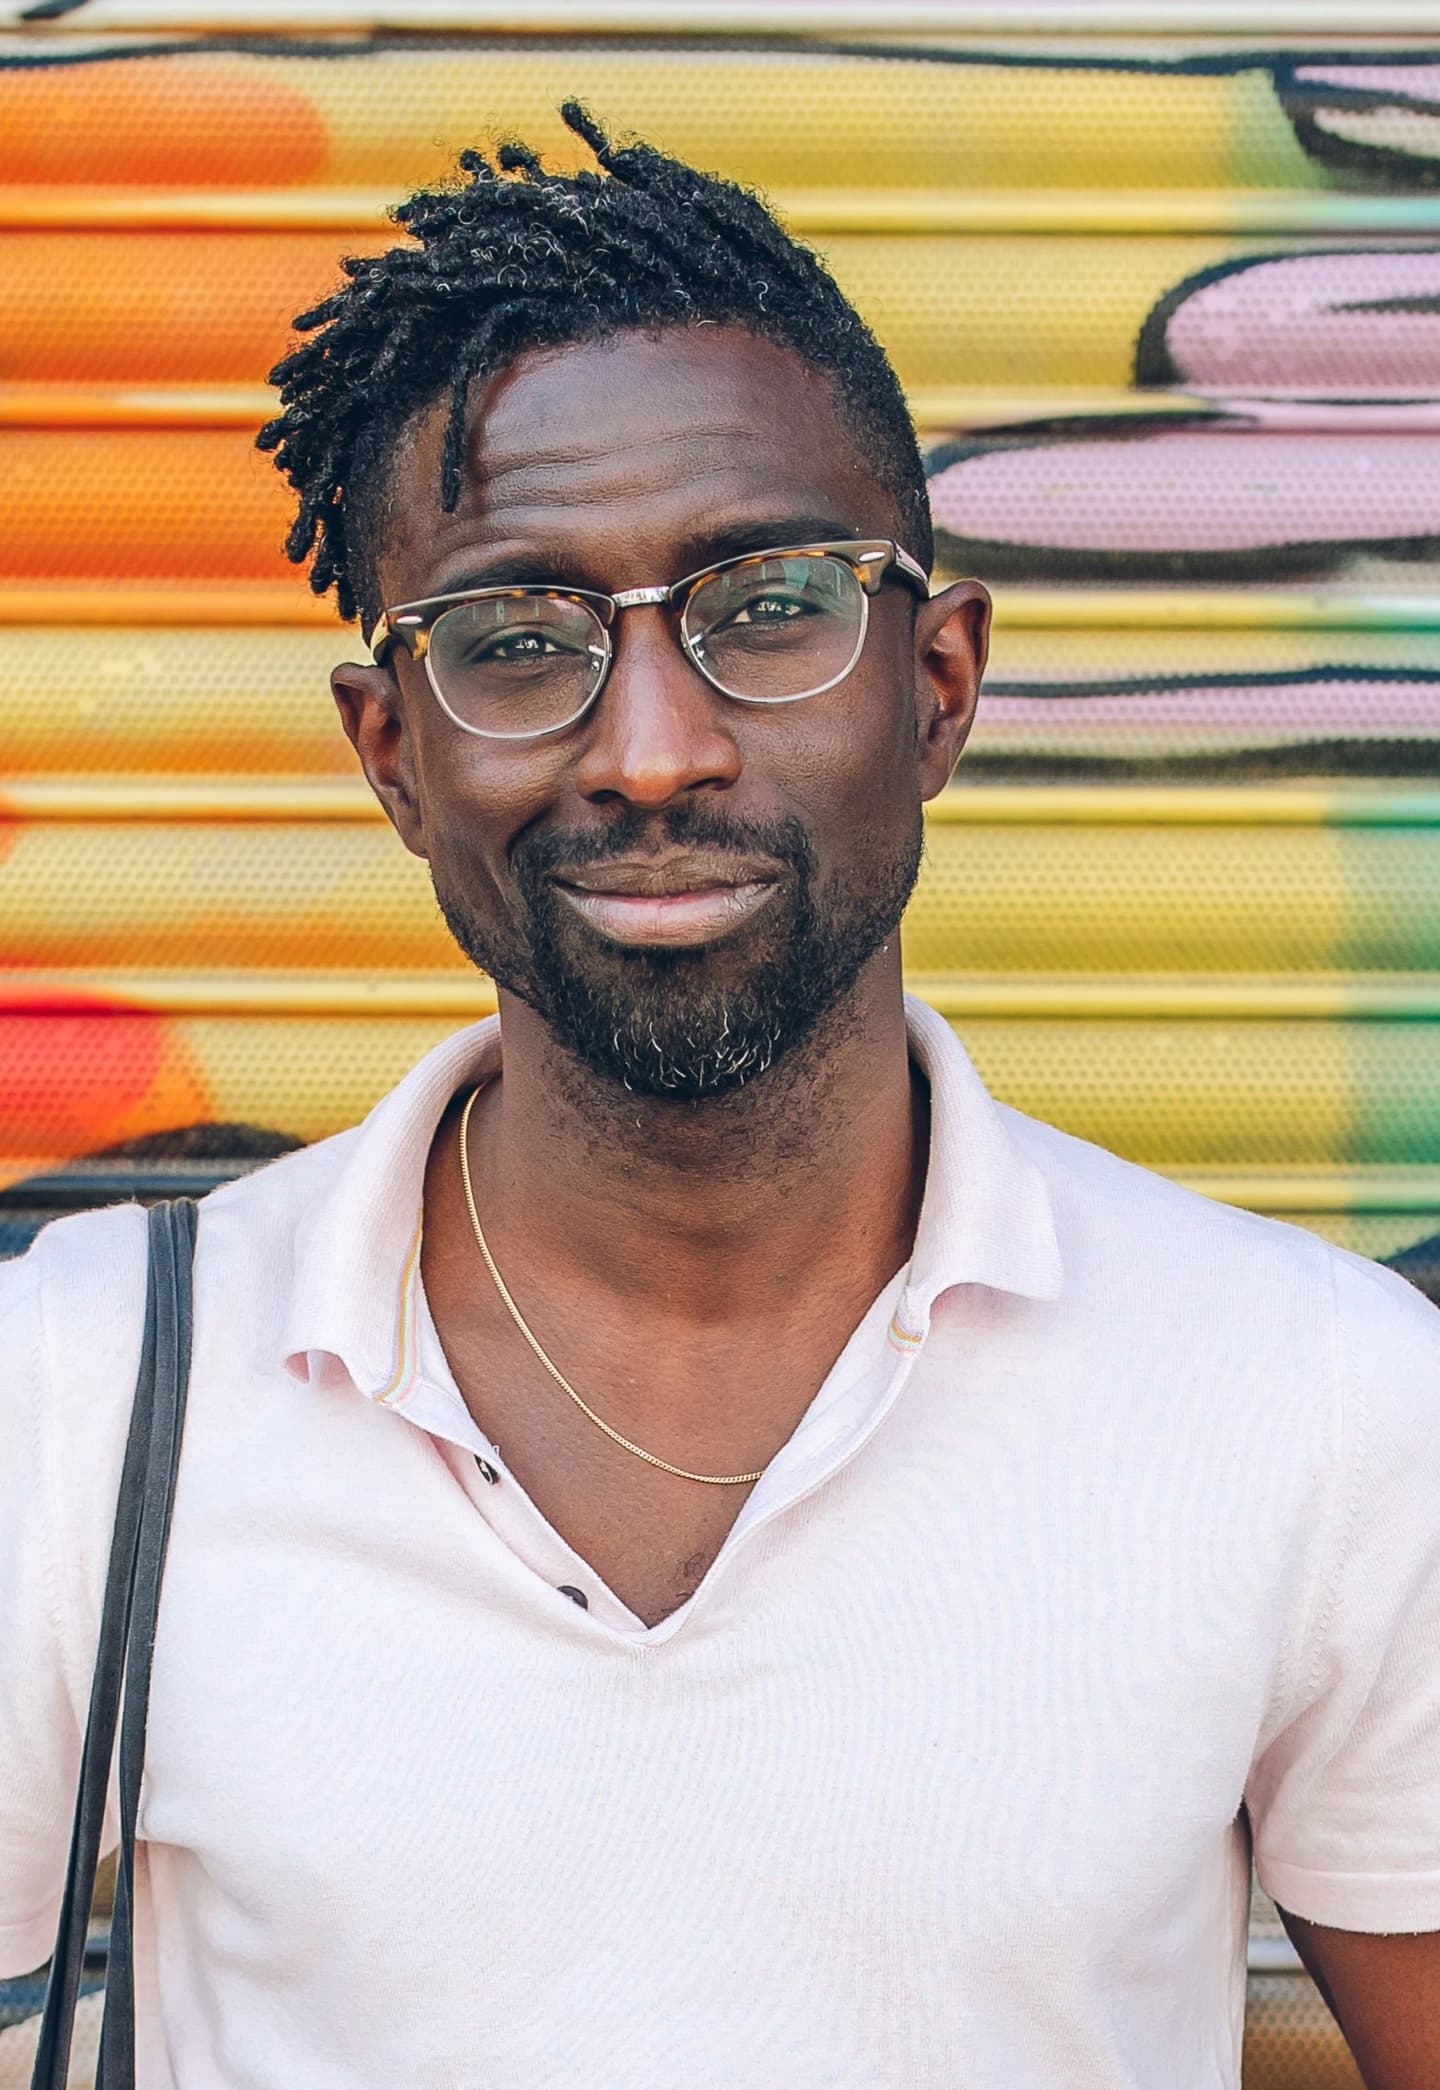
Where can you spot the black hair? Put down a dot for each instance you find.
(496, 266)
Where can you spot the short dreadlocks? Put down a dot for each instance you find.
(497, 266)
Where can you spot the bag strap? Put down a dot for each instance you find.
(122, 1663)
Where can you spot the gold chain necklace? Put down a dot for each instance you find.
(710, 1480)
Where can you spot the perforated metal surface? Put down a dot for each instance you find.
(1201, 356)
(1303, 369)
(941, 112)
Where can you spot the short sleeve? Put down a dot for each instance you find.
(70, 1315)
(1344, 1802)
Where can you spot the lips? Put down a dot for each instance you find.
(676, 900)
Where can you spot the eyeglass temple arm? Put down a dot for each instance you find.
(872, 566)
(912, 570)
(410, 632)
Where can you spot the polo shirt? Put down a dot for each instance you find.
(1108, 1548)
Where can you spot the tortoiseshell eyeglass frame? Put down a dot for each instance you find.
(872, 560)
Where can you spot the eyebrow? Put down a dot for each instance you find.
(543, 570)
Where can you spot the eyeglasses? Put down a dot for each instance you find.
(769, 627)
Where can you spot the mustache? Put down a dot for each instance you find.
(632, 833)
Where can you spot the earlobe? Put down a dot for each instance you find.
(372, 713)
(952, 638)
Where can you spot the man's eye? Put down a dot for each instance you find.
(519, 648)
(770, 609)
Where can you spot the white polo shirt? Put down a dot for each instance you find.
(1119, 1510)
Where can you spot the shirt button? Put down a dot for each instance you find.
(487, 1471)
(576, 1596)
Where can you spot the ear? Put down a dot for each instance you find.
(372, 712)
(952, 638)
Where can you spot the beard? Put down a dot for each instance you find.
(686, 1024)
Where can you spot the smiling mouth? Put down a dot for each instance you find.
(676, 903)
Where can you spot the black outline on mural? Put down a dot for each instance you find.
(1154, 367)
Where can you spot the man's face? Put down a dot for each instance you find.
(680, 885)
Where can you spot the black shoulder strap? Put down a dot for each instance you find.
(122, 1663)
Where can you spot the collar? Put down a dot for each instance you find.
(355, 1298)
(985, 1218)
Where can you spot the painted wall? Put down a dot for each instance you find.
(1169, 316)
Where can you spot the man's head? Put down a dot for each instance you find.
(607, 382)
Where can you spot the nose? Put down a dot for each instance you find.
(658, 730)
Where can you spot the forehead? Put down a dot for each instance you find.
(614, 459)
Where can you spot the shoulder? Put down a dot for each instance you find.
(1271, 1310)
(77, 1297)
(72, 1308)
(81, 1283)
(266, 1209)
(72, 1316)
(1114, 1214)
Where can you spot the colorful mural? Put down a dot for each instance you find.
(1170, 318)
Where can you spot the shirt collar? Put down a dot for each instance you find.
(985, 1217)
(354, 1304)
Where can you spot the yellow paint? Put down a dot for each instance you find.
(954, 20)
(777, 118)
(1021, 651)
(1206, 997)
(131, 701)
(1250, 1096)
(1184, 805)
(460, 995)
(1002, 899)
(343, 796)
(1149, 899)
(251, 605)
(1195, 1095)
(1392, 1195)
(307, 1078)
(463, 994)
(1377, 1234)
(811, 213)
(219, 896)
(95, 703)
(1284, 213)
(263, 798)
(1014, 312)
(128, 702)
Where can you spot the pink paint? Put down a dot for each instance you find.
(1194, 491)
(1310, 320)
(1413, 82)
(1349, 710)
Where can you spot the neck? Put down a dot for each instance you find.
(814, 1169)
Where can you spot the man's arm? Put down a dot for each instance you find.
(1384, 1993)
(1344, 1799)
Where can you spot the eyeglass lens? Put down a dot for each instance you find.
(772, 629)
(512, 665)
(776, 628)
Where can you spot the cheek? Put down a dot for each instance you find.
(475, 799)
(860, 776)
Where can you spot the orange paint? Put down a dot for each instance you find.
(158, 308)
(73, 1082)
(140, 504)
(211, 122)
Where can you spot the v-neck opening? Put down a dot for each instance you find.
(831, 1427)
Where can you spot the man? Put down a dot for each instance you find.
(707, 1551)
